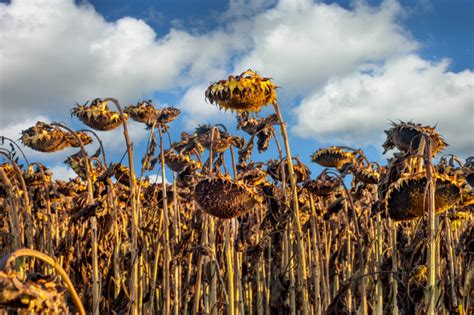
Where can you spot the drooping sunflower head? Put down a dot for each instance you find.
(8, 169)
(225, 198)
(252, 174)
(143, 112)
(279, 170)
(365, 174)
(406, 198)
(180, 162)
(323, 185)
(98, 116)
(167, 114)
(245, 92)
(34, 177)
(468, 170)
(45, 138)
(406, 137)
(332, 157)
(211, 136)
(121, 173)
(85, 139)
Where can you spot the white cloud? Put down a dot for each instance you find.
(62, 172)
(198, 110)
(344, 63)
(302, 44)
(357, 108)
(59, 53)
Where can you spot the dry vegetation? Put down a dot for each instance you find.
(228, 234)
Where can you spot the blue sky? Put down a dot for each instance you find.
(346, 68)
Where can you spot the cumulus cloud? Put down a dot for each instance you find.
(62, 172)
(59, 53)
(198, 110)
(354, 68)
(302, 44)
(355, 109)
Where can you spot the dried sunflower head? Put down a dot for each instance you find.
(85, 139)
(8, 169)
(252, 174)
(121, 173)
(98, 116)
(245, 153)
(33, 176)
(366, 174)
(167, 114)
(143, 112)
(333, 157)
(276, 168)
(71, 188)
(220, 140)
(77, 163)
(323, 185)
(406, 198)
(38, 294)
(406, 137)
(247, 91)
(225, 198)
(45, 138)
(468, 170)
(247, 123)
(180, 162)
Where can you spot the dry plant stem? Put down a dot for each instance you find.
(141, 275)
(90, 190)
(378, 266)
(206, 293)
(95, 267)
(230, 269)
(430, 182)
(394, 280)
(316, 254)
(157, 249)
(348, 261)
(101, 146)
(197, 289)
(90, 197)
(26, 200)
(13, 213)
(3, 138)
(166, 223)
(25, 252)
(299, 235)
(48, 228)
(214, 271)
(134, 220)
(452, 282)
(177, 237)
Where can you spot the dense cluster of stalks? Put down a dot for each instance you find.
(228, 234)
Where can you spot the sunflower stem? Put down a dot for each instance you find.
(299, 233)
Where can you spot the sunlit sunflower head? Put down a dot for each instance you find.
(98, 116)
(245, 92)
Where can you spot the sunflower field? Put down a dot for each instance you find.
(229, 233)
